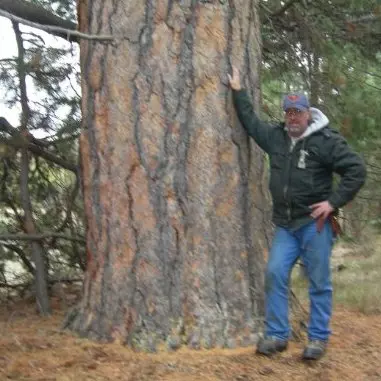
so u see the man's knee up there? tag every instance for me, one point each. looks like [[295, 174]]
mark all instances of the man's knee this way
[[275, 276], [320, 280]]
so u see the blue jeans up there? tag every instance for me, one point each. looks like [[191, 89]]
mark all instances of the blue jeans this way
[[314, 248]]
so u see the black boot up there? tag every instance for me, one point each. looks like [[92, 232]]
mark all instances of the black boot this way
[[314, 350], [271, 345]]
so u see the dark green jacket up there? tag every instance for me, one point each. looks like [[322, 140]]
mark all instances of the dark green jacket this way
[[303, 175]]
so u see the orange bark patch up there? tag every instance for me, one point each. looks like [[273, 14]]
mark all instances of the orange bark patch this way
[[121, 94], [210, 29], [152, 131], [101, 122], [161, 11], [146, 269], [127, 250], [227, 200], [224, 209], [87, 176], [265, 254], [208, 86], [227, 156], [155, 108], [95, 71], [239, 275], [202, 163], [197, 239], [160, 39], [195, 266], [142, 208], [82, 12], [210, 44]]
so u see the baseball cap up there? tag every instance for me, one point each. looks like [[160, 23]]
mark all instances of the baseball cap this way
[[298, 101]]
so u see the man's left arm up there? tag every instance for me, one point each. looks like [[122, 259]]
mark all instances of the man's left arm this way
[[351, 168]]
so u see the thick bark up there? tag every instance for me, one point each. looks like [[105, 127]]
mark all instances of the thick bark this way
[[174, 202]]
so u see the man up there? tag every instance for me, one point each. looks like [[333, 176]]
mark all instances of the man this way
[[304, 153]]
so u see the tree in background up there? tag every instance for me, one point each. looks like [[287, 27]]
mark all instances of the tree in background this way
[[39, 176]]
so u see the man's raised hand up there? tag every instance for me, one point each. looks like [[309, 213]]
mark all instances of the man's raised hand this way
[[234, 79]]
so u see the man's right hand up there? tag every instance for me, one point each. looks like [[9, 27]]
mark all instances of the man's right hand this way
[[234, 80]]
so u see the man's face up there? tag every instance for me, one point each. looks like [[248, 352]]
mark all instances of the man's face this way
[[296, 121]]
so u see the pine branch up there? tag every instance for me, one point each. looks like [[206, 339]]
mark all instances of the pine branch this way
[[365, 19], [39, 237], [280, 11], [71, 35], [34, 12], [34, 145], [50, 281], [70, 205], [22, 256]]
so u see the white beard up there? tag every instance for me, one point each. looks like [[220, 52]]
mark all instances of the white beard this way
[[295, 131]]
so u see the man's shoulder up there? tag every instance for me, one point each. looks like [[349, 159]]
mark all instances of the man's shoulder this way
[[331, 133], [329, 138], [325, 139]]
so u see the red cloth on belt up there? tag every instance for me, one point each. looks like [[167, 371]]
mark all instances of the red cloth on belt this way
[[333, 221]]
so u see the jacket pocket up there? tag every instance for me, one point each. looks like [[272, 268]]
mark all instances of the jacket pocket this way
[[304, 180], [278, 169], [278, 160]]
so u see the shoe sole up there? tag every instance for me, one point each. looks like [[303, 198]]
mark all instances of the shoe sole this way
[[269, 354], [312, 358]]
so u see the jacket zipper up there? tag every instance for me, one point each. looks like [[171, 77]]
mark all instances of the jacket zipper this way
[[286, 187], [285, 191]]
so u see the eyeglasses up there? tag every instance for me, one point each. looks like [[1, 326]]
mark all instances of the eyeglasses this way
[[294, 112]]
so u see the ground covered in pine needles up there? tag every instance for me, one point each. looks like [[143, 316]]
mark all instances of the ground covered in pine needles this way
[[34, 348]]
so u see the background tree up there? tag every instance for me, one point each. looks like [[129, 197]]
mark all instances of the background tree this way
[[39, 182]]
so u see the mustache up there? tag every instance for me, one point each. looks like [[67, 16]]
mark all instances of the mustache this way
[[293, 126]]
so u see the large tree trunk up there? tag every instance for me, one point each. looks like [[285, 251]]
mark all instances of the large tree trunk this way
[[175, 206]]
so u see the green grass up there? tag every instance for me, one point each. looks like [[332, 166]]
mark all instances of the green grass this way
[[357, 286]]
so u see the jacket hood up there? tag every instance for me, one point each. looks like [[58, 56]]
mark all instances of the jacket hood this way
[[319, 121]]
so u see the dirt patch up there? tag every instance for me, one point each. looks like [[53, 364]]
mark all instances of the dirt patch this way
[[34, 348]]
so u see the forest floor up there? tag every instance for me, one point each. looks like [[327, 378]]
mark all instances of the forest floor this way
[[34, 348]]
